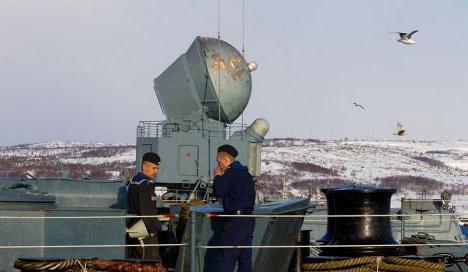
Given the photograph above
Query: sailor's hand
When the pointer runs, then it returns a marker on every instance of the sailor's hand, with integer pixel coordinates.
(152, 234)
(218, 171)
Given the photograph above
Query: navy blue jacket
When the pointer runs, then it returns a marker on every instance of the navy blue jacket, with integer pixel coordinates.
(236, 188)
(142, 201)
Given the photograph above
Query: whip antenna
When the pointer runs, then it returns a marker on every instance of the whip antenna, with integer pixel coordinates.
(219, 66)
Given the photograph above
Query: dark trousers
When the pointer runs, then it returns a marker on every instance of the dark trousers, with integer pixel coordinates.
(236, 231)
(143, 253)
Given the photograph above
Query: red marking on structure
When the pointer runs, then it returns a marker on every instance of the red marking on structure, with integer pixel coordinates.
(188, 154)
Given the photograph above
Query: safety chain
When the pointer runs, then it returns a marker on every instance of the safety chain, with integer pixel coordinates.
(451, 260)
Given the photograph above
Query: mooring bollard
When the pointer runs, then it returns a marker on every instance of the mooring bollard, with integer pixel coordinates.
(193, 246)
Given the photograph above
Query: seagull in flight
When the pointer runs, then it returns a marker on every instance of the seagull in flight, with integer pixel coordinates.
(358, 105)
(406, 38)
(399, 130)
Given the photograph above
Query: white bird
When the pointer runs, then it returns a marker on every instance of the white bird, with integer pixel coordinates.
(406, 38)
(399, 130)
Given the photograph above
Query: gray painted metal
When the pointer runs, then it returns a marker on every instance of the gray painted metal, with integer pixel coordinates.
(268, 231)
(188, 156)
(441, 227)
(77, 193)
(450, 253)
(444, 229)
(59, 197)
(211, 76)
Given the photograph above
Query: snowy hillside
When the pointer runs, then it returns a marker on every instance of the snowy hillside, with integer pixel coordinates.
(366, 160)
(415, 169)
(295, 167)
(71, 159)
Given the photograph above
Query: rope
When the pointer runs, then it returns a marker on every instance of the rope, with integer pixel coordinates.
(401, 268)
(124, 266)
(34, 265)
(338, 264)
(79, 269)
(378, 260)
(375, 264)
(356, 269)
(417, 263)
(89, 266)
(82, 267)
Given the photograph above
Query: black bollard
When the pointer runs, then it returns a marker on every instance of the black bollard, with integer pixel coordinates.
(362, 230)
(330, 220)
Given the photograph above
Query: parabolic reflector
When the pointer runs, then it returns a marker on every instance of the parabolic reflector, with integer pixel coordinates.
(211, 76)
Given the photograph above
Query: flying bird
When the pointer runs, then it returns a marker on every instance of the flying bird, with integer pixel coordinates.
(399, 130)
(358, 105)
(405, 37)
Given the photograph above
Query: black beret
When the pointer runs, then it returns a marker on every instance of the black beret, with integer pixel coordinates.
(152, 157)
(228, 149)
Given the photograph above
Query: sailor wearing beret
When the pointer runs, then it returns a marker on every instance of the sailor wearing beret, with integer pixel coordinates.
(141, 200)
(235, 186)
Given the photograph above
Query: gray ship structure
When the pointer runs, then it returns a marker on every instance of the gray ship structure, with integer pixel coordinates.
(61, 224)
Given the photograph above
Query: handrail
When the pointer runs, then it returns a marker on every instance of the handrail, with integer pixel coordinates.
(89, 246)
(344, 246)
(158, 129)
(459, 216)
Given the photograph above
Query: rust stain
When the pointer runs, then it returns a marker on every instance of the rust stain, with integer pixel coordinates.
(218, 63)
(236, 68)
(233, 66)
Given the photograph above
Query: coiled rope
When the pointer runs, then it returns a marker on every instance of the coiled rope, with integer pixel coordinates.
(94, 265)
(357, 269)
(418, 263)
(45, 265)
(338, 264)
(372, 264)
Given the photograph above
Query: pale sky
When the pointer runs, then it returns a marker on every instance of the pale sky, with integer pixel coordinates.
(83, 70)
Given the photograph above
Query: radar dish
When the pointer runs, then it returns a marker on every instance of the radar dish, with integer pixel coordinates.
(212, 79)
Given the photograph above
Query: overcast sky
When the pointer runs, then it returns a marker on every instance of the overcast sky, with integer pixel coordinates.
(83, 70)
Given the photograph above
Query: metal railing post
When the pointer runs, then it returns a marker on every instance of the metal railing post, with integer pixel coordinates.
(193, 247)
(402, 228)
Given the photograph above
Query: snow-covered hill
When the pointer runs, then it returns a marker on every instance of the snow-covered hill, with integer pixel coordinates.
(415, 169)
(297, 166)
(77, 159)
(366, 160)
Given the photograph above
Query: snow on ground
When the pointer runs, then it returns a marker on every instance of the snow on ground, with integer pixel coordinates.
(367, 160)
(73, 152)
(128, 156)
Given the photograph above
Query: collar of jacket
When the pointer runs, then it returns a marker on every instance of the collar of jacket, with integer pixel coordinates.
(238, 165)
(140, 177)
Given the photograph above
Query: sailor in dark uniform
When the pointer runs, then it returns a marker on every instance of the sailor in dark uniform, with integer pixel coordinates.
(142, 201)
(235, 186)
